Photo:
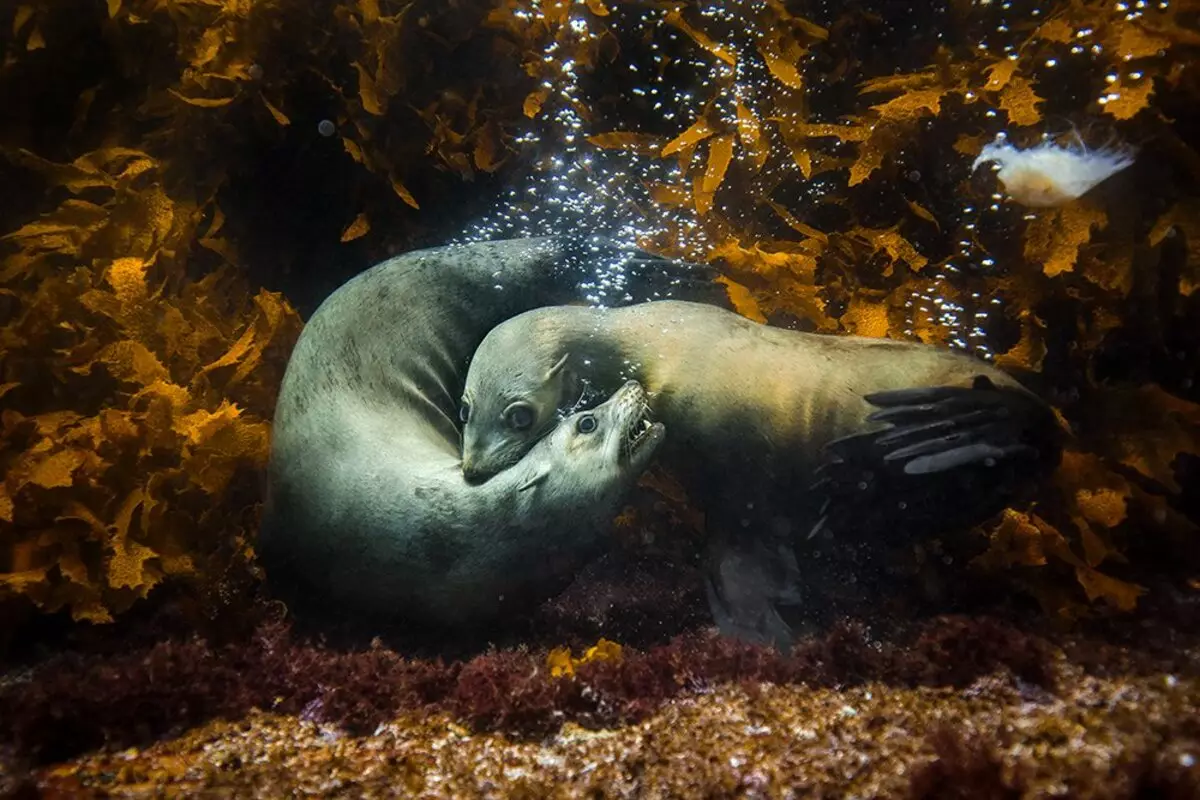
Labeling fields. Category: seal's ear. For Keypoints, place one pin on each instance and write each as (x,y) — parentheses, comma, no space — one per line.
(565,381)
(554,372)
(534,479)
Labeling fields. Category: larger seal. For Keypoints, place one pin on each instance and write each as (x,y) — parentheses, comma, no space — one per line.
(790,434)
(367,509)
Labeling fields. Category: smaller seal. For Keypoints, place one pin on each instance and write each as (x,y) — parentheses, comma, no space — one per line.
(784,435)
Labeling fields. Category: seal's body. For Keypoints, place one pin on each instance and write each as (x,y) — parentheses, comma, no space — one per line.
(789,434)
(366,503)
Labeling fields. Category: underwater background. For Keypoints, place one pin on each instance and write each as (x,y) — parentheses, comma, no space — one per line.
(182,182)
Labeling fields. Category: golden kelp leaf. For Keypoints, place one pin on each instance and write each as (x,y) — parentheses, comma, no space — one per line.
(132,362)
(1182,217)
(866,318)
(22,15)
(1054,238)
(203,102)
(696,133)
(484,154)
(560,663)
(911,105)
(675,19)
(750,134)
(127,277)
(127,568)
(905,82)
(372,102)
(1112,270)
(534,101)
(720,153)
(6,504)
(803,159)
(797,225)
(846,133)
(870,158)
(670,195)
(1137,42)
(891,242)
(1170,426)
(113,7)
(999,74)
(798,260)
(1015,541)
(222,445)
(354,149)
(782,59)
(1124,101)
(743,301)
(1030,351)
(21,582)
(641,143)
(1095,550)
(923,213)
(279,116)
(359,227)
(80,174)
(969,145)
(1020,101)
(58,470)
(603,650)
(1056,30)
(598,8)
(403,192)
(1100,495)
(36,40)
(1116,592)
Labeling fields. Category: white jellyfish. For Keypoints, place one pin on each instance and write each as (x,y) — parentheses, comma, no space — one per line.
(1049,174)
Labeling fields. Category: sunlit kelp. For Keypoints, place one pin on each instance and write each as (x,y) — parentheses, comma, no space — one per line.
(174,165)
(140,363)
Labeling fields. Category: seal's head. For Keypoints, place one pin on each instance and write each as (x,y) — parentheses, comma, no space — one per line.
(505,409)
(606,449)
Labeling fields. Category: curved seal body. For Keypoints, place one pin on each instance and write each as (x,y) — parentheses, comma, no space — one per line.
(724,385)
(785,434)
(366,505)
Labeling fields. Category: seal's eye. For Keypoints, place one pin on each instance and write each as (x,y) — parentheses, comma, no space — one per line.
(464,410)
(586,424)
(519,417)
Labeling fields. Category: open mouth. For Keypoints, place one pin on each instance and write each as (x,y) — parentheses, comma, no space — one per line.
(637,432)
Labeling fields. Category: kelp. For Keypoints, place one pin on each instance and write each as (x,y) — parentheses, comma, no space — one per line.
(140,361)
(823,162)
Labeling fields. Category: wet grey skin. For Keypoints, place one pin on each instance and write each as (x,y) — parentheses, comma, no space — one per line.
(367,509)
(785,436)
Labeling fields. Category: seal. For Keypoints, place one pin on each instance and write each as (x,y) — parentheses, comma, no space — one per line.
(367,509)
(789,434)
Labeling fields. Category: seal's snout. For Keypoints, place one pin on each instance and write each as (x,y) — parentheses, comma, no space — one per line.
(470,471)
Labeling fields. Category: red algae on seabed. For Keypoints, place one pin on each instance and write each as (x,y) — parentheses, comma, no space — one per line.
(1091,738)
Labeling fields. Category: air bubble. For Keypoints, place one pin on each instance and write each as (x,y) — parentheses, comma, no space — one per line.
(326,128)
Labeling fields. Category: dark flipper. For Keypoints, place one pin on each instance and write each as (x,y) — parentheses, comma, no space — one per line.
(615,274)
(943,458)
(748,586)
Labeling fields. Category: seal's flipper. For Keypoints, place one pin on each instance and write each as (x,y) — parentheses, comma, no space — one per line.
(747,586)
(946,457)
(619,274)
